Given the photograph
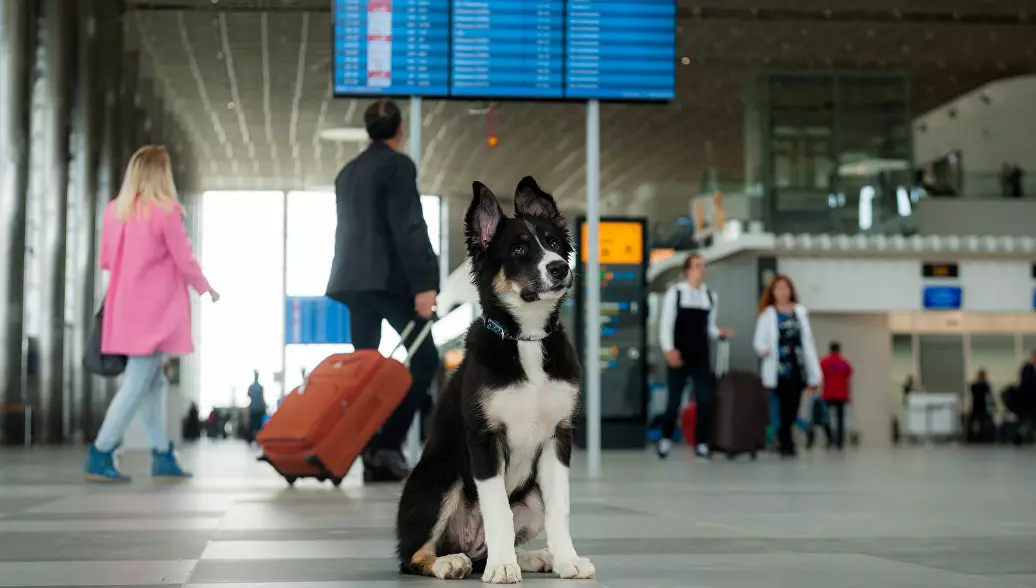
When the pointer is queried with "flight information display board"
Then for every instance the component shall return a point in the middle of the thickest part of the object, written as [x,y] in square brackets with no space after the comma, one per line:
[501,49]
[392,47]
[508,48]
[620,49]
[623,324]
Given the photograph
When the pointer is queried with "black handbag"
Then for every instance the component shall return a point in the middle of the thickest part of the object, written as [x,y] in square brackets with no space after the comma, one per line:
[94,360]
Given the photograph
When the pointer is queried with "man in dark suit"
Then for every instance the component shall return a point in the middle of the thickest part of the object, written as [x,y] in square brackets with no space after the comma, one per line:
[385,268]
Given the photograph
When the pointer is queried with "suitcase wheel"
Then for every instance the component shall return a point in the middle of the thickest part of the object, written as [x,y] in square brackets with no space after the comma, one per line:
[336,481]
[754,455]
[291,480]
[731,456]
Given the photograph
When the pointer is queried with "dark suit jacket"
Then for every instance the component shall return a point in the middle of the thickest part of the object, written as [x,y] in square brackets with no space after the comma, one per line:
[381,243]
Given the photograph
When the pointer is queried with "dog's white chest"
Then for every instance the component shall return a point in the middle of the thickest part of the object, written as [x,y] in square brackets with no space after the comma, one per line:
[530,412]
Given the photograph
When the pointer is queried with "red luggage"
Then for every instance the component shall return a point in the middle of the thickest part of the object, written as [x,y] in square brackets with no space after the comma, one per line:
[742,409]
[688,422]
[322,426]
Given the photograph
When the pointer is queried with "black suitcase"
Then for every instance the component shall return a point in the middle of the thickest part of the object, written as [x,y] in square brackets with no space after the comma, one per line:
[741,409]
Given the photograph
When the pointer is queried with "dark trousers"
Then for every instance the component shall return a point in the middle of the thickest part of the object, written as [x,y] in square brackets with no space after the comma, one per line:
[366,311]
[835,417]
[789,394]
[700,375]
[255,422]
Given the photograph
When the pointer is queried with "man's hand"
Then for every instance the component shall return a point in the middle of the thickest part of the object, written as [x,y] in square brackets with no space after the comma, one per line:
[674,359]
[424,304]
[726,333]
[214,295]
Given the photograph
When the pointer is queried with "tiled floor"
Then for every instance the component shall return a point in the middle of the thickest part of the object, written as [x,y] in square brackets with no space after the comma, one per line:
[945,517]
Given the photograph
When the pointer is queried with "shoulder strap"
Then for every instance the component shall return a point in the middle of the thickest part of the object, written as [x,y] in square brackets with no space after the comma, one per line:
[679,297]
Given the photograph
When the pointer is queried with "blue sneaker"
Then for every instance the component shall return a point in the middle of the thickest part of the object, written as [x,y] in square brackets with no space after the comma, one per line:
[164,467]
[100,467]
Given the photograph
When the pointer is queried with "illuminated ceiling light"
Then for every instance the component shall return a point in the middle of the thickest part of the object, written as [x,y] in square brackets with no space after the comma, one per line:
[686,61]
[345,135]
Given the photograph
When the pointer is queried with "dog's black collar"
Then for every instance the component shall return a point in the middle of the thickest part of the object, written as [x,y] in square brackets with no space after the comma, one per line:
[499,329]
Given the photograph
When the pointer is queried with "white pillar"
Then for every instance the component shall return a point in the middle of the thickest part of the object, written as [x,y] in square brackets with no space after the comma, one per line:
[593,290]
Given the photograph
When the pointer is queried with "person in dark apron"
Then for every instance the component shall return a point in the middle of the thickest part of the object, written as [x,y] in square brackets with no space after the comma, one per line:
[686,329]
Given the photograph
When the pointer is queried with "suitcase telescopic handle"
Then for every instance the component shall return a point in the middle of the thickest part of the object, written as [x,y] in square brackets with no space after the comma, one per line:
[421,336]
[723,357]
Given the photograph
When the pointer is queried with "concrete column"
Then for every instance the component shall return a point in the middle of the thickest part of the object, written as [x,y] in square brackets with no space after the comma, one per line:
[128,123]
[110,165]
[54,58]
[83,206]
[15,36]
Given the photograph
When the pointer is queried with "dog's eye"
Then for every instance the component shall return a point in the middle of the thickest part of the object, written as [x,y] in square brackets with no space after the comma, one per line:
[518,251]
[554,244]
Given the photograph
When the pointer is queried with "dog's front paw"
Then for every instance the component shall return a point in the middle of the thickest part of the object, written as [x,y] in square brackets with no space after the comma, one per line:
[452,567]
[502,573]
[577,568]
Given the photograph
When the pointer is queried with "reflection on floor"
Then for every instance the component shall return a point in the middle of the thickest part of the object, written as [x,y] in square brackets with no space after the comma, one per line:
[944,517]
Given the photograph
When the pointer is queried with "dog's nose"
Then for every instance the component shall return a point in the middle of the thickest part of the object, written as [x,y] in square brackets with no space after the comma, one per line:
[557,269]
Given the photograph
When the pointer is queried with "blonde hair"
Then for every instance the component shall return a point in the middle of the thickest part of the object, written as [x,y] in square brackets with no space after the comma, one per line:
[148,181]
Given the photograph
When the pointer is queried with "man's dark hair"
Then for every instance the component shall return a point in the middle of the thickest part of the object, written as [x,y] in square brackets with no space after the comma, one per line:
[835,347]
[382,120]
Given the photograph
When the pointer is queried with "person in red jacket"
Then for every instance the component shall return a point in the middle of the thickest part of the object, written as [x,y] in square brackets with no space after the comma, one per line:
[838,374]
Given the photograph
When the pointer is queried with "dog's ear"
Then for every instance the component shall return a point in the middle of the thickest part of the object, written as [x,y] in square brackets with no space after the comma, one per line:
[482,219]
[531,201]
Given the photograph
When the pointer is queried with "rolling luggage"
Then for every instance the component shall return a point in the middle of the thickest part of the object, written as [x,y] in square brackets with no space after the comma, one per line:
[323,425]
[741,409]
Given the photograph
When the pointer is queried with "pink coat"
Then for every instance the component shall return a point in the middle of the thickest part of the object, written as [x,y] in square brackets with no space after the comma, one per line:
[147,308]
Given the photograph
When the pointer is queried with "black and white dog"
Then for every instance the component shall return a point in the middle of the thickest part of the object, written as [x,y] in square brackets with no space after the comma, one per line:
[494,471]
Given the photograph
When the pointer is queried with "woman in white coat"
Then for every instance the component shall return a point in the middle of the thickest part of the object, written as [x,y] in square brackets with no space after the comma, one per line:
[784,341]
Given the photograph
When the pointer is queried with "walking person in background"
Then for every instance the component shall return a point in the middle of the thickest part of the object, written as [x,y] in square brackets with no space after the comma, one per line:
[784,340]
[385,269]
[686,328]
[1026,399]
[256,407]
[147,309]
[836,393]
[980,417]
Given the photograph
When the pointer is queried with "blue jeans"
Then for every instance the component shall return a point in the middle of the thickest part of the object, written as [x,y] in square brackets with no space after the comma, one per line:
[141,389]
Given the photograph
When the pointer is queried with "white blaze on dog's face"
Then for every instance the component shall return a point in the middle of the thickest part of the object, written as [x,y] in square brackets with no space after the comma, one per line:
[523,259]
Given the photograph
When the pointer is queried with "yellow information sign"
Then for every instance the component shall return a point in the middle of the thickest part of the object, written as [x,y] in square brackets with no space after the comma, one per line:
[622,242]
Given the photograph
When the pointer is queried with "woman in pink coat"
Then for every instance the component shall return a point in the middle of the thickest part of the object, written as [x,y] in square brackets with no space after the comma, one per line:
[147,310]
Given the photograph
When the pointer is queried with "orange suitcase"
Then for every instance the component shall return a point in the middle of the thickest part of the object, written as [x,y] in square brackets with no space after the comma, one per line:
[323,425]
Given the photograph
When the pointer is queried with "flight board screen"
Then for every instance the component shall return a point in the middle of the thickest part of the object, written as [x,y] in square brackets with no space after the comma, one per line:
[506,49]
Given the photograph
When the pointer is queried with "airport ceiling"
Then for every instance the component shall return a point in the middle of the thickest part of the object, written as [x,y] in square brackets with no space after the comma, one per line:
[249,80]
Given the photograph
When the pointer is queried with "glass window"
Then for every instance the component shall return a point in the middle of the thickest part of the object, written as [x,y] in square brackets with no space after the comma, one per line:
[245,330]
[902,366]
[430,206]
[311,242]
[942,363]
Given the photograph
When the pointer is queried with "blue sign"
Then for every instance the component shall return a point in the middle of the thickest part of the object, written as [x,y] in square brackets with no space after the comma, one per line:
[943,297]
[313,320]
[523,49]
[620,49]
[393,47]
[508,48]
